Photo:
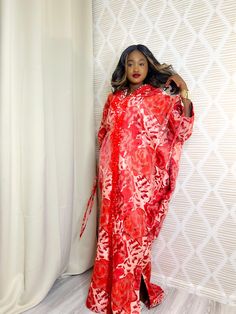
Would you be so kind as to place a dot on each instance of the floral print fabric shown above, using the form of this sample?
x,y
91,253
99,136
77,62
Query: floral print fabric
x,y
141,137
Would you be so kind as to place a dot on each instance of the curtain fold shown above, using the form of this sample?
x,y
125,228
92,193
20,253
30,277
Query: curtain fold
x,y
47,147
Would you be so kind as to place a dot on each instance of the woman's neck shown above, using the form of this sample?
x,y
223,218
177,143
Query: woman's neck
x,y
133,87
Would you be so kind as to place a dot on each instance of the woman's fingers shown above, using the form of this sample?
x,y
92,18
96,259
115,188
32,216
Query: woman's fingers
x,y
177,79
173,78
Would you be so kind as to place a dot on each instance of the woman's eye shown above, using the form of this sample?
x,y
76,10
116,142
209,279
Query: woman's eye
x,y
129,64
142,64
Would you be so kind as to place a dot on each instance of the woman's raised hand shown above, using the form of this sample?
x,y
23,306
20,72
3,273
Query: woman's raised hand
x,y
177,79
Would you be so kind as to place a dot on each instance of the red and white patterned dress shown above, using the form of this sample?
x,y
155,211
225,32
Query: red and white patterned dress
x,y
141,138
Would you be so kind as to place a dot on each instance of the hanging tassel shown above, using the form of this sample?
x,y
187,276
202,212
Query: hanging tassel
x,y
89,208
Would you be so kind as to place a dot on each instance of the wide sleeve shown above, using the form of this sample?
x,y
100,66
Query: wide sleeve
x,y
103,125
181,125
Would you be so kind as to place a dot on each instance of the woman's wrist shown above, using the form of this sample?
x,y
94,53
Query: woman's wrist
x,y
184,94
187,110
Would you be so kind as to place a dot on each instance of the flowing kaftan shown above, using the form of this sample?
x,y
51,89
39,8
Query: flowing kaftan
x,y
141,138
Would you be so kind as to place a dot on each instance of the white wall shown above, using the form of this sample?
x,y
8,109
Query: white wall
x,y
196,247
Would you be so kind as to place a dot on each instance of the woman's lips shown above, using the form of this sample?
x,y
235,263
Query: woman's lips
x,y
136,75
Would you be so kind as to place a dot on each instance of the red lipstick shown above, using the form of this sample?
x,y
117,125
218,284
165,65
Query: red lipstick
x,y
136,75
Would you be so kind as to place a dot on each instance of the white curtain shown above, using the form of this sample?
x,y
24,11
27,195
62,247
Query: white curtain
x,y
47,146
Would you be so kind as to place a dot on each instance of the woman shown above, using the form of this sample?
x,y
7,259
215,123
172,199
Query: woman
x,y
141,137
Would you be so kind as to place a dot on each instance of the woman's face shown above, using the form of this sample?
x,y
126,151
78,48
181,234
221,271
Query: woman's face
x,y
136,68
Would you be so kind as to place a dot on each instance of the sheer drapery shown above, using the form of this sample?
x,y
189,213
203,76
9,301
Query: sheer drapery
x,y
46,146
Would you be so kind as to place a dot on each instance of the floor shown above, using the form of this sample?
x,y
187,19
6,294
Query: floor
x,y
68,295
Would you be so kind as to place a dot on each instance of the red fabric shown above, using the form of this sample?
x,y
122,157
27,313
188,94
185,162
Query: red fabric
x,y
141,138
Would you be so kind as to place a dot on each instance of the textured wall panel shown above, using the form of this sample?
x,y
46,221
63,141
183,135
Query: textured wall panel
x,y
196,247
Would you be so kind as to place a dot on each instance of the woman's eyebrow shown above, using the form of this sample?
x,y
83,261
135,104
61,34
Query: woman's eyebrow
x,y
134,60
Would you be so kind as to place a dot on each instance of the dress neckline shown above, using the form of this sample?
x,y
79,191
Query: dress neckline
x,y
134,91
143,90
140,89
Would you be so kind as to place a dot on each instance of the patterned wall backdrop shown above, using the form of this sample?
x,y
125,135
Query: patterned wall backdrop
x,y
196,247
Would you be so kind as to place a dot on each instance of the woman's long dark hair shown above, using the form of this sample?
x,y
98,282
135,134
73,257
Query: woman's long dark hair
x,y
157,74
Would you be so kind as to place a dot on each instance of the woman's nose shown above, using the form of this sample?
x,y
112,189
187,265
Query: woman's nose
x,y
136,67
